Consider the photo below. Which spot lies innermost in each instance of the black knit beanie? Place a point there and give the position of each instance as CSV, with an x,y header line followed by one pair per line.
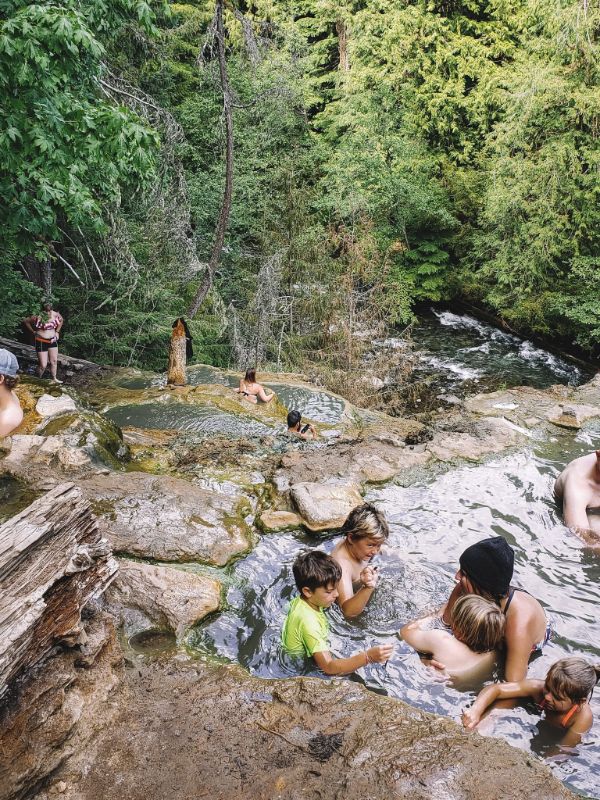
x,y
489,564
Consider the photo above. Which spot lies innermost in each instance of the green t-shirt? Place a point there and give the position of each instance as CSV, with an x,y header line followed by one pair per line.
x,y
305,630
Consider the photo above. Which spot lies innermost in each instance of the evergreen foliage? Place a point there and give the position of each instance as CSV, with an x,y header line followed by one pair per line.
x,y
386,153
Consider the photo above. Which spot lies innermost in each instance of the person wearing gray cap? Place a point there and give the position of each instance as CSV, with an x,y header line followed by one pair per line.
x,y
11,413
486,569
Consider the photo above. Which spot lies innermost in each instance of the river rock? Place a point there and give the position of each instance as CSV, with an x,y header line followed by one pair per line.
x,y
474,440
169,519
168,597
375,459
199,724
572,415
271,521
325,505
48,406
33,455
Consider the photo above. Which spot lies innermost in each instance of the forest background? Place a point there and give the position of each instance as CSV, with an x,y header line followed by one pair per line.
x,y
384,153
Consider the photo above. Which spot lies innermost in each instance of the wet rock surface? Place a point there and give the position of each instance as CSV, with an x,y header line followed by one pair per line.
x,y
167,518
198,730
325,505
165,596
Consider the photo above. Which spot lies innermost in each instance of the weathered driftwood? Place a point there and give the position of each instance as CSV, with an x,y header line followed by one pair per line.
x,y
53,560
176,375
26,354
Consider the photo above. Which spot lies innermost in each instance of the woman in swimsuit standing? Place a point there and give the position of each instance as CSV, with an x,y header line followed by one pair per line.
x,y
45,328
252,390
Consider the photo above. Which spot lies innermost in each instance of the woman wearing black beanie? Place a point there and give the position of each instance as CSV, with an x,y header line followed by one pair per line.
x,y
486,569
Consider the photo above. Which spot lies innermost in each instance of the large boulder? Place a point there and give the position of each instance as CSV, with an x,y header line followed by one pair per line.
x,y
199,729
169,519
474,440
376,459
165,596
325,505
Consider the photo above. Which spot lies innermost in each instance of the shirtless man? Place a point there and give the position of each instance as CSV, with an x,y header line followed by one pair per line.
x,y
578,486
11,413
365,530
486,569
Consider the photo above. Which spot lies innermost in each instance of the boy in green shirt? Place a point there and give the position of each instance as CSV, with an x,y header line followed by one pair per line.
x,y
306,629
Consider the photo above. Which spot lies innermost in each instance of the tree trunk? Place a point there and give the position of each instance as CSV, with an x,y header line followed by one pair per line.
x,y
39,272
221,227
176,375
342,33
53,559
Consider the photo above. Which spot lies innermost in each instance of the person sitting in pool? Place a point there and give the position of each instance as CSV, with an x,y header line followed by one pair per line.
x,y
364,532
469,648
564,697
305,630
252,390
578,486
295,427
486,569
11,413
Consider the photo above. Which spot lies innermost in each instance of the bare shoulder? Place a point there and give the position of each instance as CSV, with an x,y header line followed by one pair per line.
x,y
338,552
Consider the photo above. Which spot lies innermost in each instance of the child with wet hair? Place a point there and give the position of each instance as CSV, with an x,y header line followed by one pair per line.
x,y
564,697
305,630
477,631
364,531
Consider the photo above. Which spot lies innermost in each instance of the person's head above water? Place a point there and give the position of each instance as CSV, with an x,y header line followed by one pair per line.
x,y
366,522
313,569
478,623
250,376
572,679
293,419
9,367
488,565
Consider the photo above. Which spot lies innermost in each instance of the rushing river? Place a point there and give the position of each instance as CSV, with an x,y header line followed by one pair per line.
x,y
459,353
431,522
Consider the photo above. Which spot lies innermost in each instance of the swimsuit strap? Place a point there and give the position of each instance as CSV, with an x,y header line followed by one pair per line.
x,y
566,717
565,720
511,594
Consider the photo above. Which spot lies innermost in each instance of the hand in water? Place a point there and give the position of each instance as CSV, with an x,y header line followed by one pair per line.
x,y
380,653
470,717
369,577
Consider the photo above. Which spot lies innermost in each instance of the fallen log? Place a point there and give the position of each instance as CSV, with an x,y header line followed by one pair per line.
x,y
53,560
26,354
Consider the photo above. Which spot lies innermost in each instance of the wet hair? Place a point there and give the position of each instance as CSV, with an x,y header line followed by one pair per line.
x,y
47,305
250,376
314,568
572,678
478,623
366,522
293,419
10,381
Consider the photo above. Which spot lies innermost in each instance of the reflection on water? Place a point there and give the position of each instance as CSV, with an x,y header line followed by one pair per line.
x,y
315,405
431,523
203,420
459,349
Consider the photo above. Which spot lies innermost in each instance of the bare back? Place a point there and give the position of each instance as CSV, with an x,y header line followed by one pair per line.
x,y
578,486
